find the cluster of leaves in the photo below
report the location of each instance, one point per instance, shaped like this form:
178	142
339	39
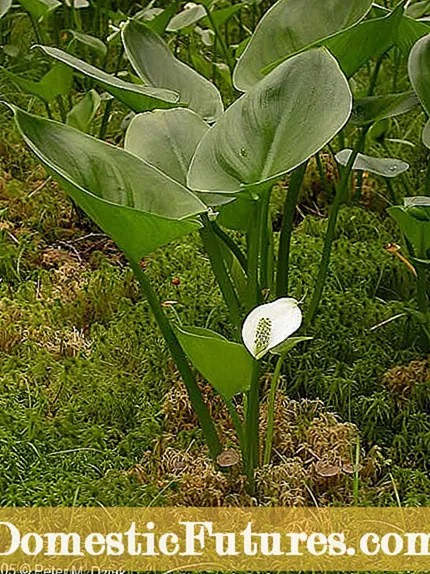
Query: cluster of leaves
189	165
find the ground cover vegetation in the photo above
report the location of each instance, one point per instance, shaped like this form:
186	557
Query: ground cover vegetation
215	263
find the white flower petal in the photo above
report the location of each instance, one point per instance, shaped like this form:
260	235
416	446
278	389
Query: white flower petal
268	325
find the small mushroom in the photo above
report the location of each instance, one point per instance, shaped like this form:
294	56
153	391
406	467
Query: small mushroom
228	458
349	468
326	469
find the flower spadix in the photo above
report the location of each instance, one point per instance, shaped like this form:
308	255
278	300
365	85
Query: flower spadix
268	326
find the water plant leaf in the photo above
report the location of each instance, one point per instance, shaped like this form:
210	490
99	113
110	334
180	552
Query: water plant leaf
56	82
374	36
160	21
156	65
285	119
40	9
375	108
290	26
418	9
78	4
223	15
83	113
410	31
226	365
186	17
138	98
419	71
4	7
138	206
95	44
413	218
387	167
166	139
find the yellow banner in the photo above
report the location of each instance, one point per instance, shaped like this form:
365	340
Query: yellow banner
224	539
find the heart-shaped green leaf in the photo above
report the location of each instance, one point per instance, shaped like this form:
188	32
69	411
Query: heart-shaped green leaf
414	223
387	167
285	119
81	115
4	7
138	206
290	26
374	36
56	82
166	139
375	108
40	9
187	17
138	98
419	71
371	39
95	44
226	365
155	64
410	31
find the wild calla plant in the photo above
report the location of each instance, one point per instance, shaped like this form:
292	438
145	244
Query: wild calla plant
191	166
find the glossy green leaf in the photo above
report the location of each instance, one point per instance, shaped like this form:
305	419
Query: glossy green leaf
285	119
226	365
426	134
223	15
78	4
40	9
374	36
414	223
418	9
410	31
374	108
289	27
138	98
4	7
83	113
155	64
95	44
139	207
370	39
419	71
238	214
387	167
187	17
166	139
161	20
56	82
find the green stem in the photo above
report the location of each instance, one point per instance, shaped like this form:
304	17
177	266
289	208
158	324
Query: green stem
178	355
210	242
238	426
265	240
224	47
287	228
331	228
251	427
271	411
108	107
232	245
62	109
253	240
322	175
375	74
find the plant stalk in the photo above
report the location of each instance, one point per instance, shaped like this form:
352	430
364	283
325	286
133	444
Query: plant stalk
252	427
271	411
178	355
287	227
331	228
210	242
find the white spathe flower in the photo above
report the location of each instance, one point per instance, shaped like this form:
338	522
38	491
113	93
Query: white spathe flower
269	325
